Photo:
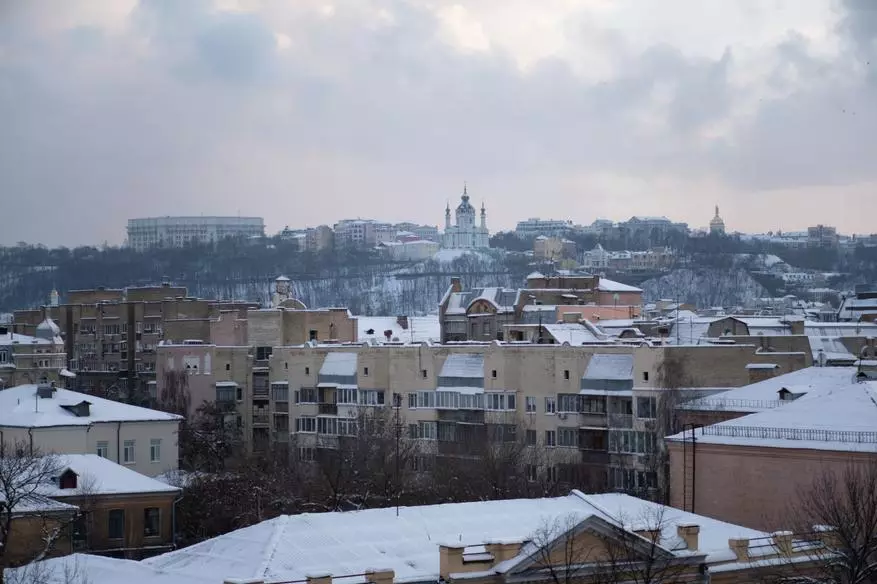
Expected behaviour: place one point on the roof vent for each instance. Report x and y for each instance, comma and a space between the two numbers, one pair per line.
45, 391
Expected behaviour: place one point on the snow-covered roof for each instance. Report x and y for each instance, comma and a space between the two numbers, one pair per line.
839, 417
20, 407
832, 349
420, 328
607, 285
291, 547
18, 339
463, 365
764, 394
609, 366
100, 476
339, 363
37, 503
573, 333
535, 276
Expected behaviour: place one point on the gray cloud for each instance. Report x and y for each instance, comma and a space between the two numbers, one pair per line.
186, 109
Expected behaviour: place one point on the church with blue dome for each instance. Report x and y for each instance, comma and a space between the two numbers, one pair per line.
466, 234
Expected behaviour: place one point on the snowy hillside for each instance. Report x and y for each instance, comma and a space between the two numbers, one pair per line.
705, 287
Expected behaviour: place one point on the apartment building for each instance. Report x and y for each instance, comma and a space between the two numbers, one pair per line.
60, 421
152, 232
579, 537
554, 248
29, 359
110, 335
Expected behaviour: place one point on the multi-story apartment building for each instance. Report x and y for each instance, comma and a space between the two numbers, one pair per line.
110, 335
822, 236
29, 359
425, 232
594, 409
356, 232
178, 231
553, 248
534, 227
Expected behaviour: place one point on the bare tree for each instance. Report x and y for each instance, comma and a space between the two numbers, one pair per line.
23, 473
174, 396
837, 514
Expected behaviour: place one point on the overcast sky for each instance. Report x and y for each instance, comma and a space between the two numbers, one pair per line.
309, 111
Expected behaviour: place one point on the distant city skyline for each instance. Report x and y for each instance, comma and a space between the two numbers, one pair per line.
311, 111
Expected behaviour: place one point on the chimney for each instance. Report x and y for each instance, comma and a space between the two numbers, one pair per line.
502, 550
827, 535
456, 285
402, 321
45, 391
783, 541
740, 547
689, 532
385, 576
450, 561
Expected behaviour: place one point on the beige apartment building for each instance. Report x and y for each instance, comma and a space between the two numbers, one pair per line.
594, 408
110, 335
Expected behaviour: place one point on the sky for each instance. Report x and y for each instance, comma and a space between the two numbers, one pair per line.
305, 112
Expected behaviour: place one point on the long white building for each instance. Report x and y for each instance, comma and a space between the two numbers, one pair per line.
150, 232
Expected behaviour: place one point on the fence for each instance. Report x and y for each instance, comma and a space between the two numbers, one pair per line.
813, 435
730, 403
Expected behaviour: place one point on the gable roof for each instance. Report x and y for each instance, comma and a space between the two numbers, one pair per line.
21, 408
100, 476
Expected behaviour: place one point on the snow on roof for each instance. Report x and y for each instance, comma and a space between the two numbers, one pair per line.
20, 407
607, 285
463, 365
420, 328
17, 339
763, 395
291, 547
37, 503
535, 276
832, 348
617, 367
339, 363
572, 333
102, 570
100, 476
839, 417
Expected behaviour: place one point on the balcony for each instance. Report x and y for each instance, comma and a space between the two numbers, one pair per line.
260, 419
281, 436
327, 409
281, 407
620, 421
326, 441
598, 457
593, 420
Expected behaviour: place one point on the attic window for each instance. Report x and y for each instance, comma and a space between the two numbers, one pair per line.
67, 480
80, 410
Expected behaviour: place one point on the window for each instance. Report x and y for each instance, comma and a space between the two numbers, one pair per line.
103, 449
550, 438
151, 522
645, 375
371, 397
228, 366
345, 396
530, 404
646, 407
312, 335
423, 373
128, 457
532, 473
632, 442
307, 370
568, 403
423, 431
551, 474
116, 524
306, 395
594, 405
500, 402
568, 437
566, 373
307, 454
155, 450
263, 353
306, 424
239, 394
531, 437
280, 392
286, 365
365, 371
493, 373
550, 405
4, 356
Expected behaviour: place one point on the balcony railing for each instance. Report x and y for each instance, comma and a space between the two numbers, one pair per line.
592, 419
260, 419
327, 409
595, 457
620, 421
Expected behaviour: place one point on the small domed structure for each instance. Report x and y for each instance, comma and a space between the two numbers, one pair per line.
717, 225
48, 330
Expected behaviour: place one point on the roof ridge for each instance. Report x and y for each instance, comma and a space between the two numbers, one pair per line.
587, 499
279, 531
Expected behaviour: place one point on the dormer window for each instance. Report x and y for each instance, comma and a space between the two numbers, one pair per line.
68, 479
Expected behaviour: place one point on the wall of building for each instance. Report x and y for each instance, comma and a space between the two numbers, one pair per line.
751, 486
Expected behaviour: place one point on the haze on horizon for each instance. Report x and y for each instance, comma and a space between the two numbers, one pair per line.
310, 111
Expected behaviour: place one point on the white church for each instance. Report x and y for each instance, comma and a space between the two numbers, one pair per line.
465, 235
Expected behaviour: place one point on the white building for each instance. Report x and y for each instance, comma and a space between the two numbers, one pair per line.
178, 231
549, 227
61, 421
465, 235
